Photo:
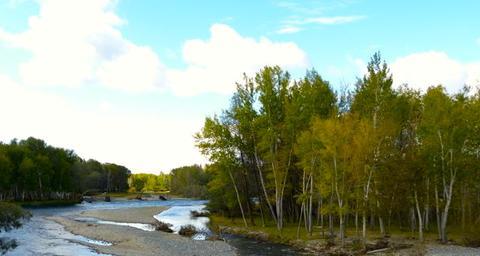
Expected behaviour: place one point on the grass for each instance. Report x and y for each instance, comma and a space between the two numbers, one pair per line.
289, 233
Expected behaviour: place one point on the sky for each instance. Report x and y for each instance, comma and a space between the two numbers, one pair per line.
131, 81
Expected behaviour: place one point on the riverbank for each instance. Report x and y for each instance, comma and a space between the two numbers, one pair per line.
46, 203
142, 215
316, 244
132, 241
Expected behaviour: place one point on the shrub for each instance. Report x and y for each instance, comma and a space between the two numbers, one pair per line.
196, 214
187, 230
162, 226
11, 216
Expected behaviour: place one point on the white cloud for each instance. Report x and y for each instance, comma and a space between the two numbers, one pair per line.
289, 29
216, 64
137, 69
69, 49
330, 20
73, 43
425, 69
142, 142
298, 24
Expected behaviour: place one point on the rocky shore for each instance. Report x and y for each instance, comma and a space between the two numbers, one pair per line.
381, 247
132, 241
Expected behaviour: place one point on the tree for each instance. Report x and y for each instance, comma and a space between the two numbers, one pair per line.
216, 141
388, 156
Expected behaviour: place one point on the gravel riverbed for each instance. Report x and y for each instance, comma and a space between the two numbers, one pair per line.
451, 250
133, 241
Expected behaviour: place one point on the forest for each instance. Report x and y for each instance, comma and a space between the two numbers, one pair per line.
375, 158
31, 170
186, 181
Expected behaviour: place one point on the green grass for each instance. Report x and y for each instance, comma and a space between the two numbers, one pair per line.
289, 232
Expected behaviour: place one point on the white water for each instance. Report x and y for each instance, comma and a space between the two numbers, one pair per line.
40, 236
179, 216
141, 226
43, 237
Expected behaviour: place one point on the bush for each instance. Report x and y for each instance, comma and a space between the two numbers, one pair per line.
187, 230
196, 214
162, 226
11, 216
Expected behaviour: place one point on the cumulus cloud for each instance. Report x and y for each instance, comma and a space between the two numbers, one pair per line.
214, 65
425, 69
69, 49
105, 132
73, 43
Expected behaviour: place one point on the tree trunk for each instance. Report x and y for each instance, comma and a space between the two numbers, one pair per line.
342, 229
412, 222
263, 187
427, 206
259, 194
364, 226
238, 198
300, 220
420, 222
463, 208
365, 202
356, 219
437, 210
448, 191
443, 227
310, 208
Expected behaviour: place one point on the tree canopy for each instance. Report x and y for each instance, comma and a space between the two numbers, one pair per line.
370, 158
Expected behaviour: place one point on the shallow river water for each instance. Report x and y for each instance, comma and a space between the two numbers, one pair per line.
40, 236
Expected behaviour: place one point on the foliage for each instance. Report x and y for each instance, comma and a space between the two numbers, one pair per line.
11, 216
143, 182
189, 181
31, 170
294, 151
187, 230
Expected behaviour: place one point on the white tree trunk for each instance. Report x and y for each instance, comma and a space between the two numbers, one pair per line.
238, 198
420, 221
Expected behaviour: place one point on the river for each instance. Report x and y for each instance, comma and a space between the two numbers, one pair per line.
40, 236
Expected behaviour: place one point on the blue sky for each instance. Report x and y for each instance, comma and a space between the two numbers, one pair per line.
130, 81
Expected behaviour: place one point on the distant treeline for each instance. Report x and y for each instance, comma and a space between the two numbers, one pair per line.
32, 170
145, 182
373, 158
187, 181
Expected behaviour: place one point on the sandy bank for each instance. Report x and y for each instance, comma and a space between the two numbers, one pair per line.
135, 215
132, 241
